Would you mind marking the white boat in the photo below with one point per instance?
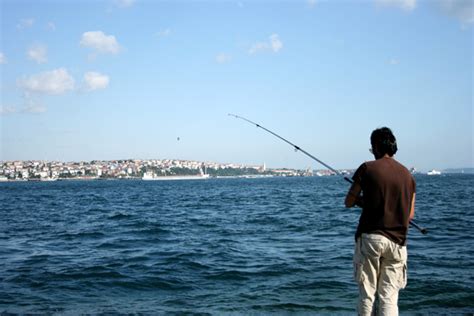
(3, 179)
(151, 176)
(433, 173)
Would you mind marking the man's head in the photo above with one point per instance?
(383, 142)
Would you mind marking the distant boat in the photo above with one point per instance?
(151, 176)
(154, 177)
(3, 179)
(433, 173)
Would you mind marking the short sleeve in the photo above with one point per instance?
(360, 173)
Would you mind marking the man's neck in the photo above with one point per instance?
(384, 156)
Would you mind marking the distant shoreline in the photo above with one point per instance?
(210, 178)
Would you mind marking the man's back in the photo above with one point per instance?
(388, 189)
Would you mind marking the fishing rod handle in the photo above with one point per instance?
(424, 231)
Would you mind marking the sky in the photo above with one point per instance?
(87, 80)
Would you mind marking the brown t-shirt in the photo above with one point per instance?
(387, 188)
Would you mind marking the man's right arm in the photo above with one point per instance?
(353, 196)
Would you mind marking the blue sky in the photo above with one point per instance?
(84, 80)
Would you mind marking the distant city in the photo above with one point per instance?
(37, 170)
(146, 169)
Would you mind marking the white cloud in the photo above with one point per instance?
(407, 5)
(460, 9)
(51, 26)
(394, 61)
(94, 81)
(6, 109)
(164, 33)
(25, 23)
(223, 58)
(30, 107)
(56, 81)
(100, 42)
(38, 53)
(311, 3)
(273, 44)
(124, 3)
(276, 43)
(34, 107)
(258, 47)
(3, 58)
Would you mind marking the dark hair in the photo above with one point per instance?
(384, 140)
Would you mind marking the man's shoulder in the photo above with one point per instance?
(401, 166)
(383, 163)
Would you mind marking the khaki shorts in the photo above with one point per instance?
(380, 270)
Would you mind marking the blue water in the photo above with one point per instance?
(220, 246)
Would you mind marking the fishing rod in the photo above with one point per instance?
(297, 148)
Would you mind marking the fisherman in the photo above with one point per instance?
(385, 190)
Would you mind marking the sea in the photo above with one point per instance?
(269, 246)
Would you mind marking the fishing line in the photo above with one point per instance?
(297, 148)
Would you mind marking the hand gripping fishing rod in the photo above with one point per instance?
(297, 148)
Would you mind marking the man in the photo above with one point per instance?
(385, 190)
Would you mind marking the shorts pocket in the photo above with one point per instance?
(402, 281)
(358, 263)
(359, 272)
(400, 253)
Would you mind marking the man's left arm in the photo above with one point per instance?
(412, 207)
